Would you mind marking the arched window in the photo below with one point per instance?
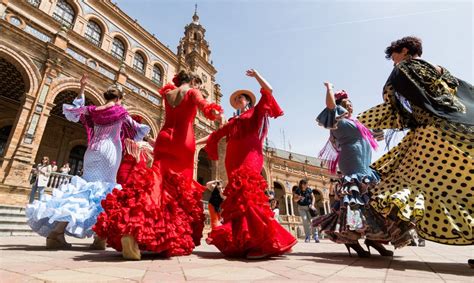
(118, 49)
(93, 33)
(35, 3)
(157, 75)
(4, 134)
(64, 13)
(139, 63)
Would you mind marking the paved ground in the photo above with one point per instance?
(24, 259)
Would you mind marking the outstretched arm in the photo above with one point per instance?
(330, 100)
(83, 81)
(202, 140)
(211, 111)
(263, 83)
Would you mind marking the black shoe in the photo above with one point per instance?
(379, 247)
(359, 250)
(421, 243)
(471, 262)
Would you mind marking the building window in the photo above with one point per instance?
(139, 63)
(64, 13)
(118, 49)
(204, 78)
(157, 75)
(34, 3)
(93, 33)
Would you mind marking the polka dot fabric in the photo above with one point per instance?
(427, 177)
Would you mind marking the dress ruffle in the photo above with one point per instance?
(163, 213)
(249, 226)
(352, 217)
(328, 118)
(209, 109)
(77, 203)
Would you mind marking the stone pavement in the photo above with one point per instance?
(24, 259)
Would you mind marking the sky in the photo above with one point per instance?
(298, 44)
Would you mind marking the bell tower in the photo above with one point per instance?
(193, 47)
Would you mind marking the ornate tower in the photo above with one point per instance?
(193, 48)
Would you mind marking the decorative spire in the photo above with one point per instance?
(195, 16)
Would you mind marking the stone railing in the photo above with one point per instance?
(57, 179)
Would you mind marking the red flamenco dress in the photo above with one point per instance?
(161, 206)
(249, 229)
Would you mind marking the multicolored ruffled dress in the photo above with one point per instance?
(428, 177)
(79, 202)
(160, 207)
(249, 228)
(350, 147)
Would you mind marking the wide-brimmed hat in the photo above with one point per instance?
(242, 91)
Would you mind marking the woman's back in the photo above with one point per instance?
(175, 145)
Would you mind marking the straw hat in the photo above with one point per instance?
(236, 93)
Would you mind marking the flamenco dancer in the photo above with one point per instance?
(427, 177)
(159, 209)
(73, 207)
(249, 228)
(350, 147)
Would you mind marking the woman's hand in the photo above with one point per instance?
(252, 73)
(84, 81)
(328, 85)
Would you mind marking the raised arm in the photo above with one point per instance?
(263, 83)
(77, 109)
(330, 100)
(83, 81)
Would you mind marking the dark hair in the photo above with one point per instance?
(186, 77)
(412, 43)
(303, 182)
(277, 203)
(113, 93)
(294, 189)
(343, 102)
(247, 97)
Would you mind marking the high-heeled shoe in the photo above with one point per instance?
(98, 244)
(130, 248)
(57, 242)
(358, 249)
(378, 246)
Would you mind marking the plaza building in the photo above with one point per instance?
(46, 46)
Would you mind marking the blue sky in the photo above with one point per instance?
(297, 45)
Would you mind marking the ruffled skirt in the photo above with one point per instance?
(163, 213)
(353, 218)
(249, 226)
(77, 203)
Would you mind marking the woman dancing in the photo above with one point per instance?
(427, 177)
(159, 209)
(350, 147)
(249, 228)
(73, 207)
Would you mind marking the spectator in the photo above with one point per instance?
(275, 206)
(42, 171)
(54, 166)
(303, 196)
(65, 169)
(214, 205)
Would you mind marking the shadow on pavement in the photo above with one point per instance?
(394, 263)
(29, 247)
